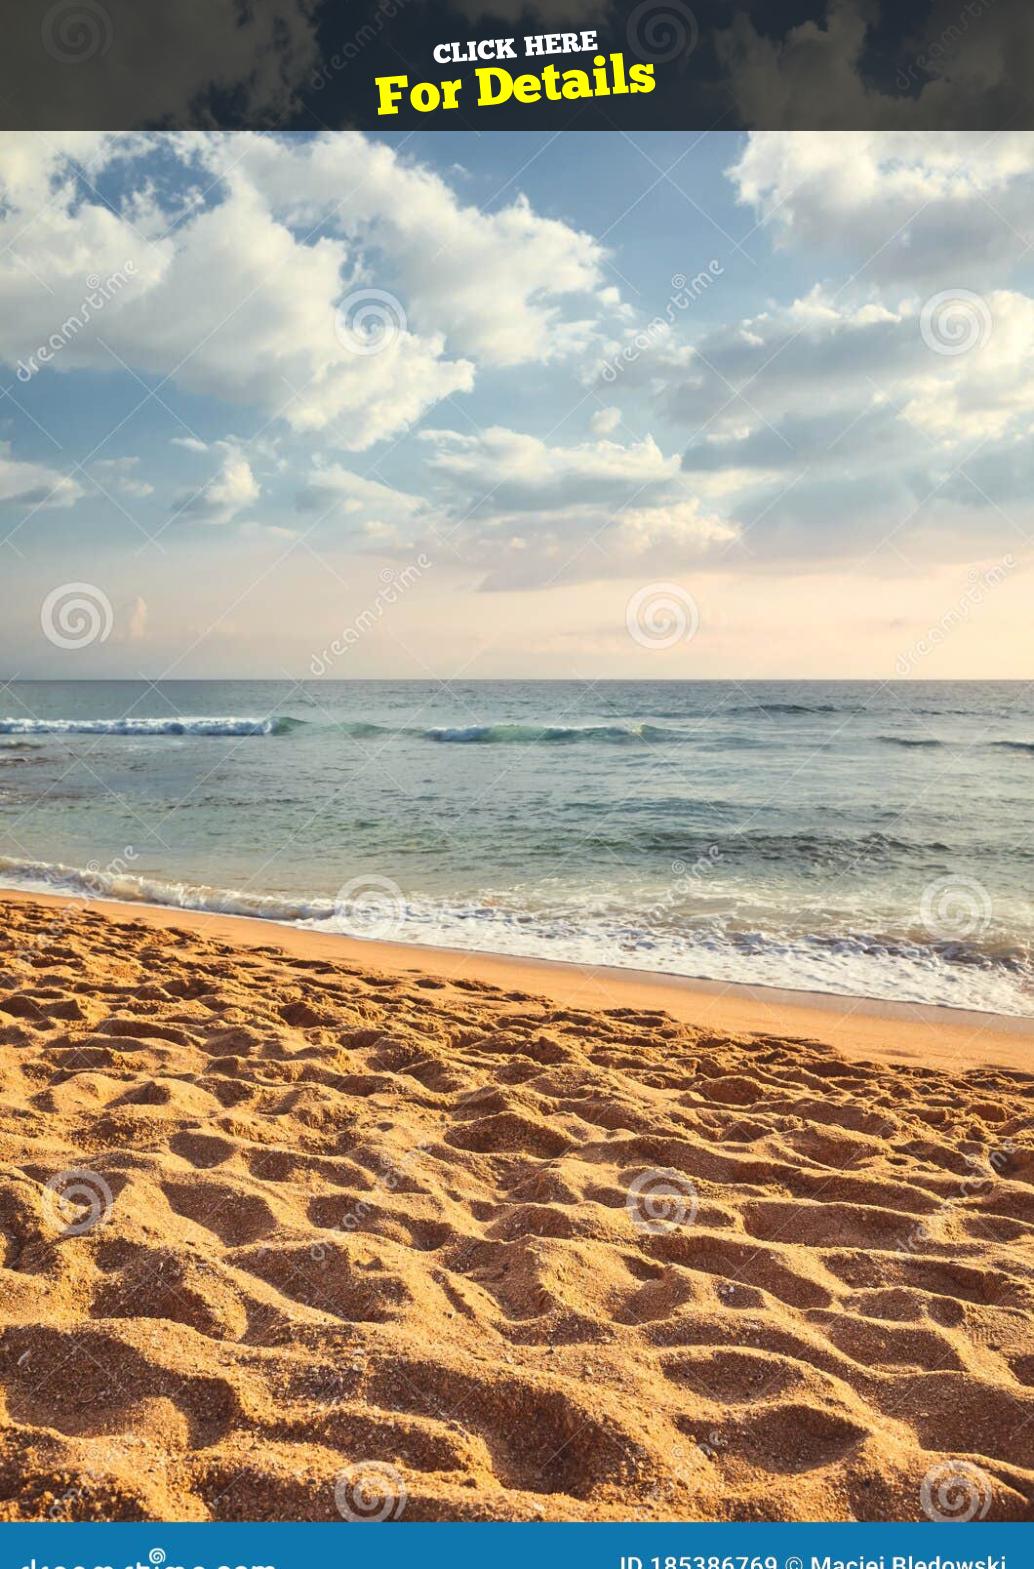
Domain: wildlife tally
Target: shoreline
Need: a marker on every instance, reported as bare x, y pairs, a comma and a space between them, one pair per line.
872, 1028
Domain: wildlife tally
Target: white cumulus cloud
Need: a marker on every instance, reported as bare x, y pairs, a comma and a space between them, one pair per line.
34, 484
230, 491
234, 288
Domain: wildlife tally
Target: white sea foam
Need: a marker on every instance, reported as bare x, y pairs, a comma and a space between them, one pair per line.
901, 967
200, 726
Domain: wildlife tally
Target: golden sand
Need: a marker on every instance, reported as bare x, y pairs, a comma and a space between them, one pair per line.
295, 1229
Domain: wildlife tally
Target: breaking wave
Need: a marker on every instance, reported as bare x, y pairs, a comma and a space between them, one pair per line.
201, 726
280, 724
515, 734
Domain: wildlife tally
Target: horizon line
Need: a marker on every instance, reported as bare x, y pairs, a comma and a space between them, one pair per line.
436, 680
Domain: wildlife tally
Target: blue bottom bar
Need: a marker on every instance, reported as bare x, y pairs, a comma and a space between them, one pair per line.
984, 1545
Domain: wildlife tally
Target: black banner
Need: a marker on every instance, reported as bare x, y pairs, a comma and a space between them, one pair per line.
308, 65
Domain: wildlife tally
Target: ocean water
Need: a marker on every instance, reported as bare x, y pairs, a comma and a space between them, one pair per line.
853, 838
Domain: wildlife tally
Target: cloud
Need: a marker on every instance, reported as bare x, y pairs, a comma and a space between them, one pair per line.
136, 621
371, 511
256, 57
492, 283
916, 208
963, 65
954, 366
120, 475
295, 277
251, 292
232, 490
267, 531
229, 302
549, 13
522, 471
528, 513
825, 428
34, 484
520, 513
605, 421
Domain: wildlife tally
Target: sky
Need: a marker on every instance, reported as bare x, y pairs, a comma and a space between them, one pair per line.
451, 405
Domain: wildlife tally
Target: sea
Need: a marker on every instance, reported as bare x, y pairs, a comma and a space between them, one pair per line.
863, 839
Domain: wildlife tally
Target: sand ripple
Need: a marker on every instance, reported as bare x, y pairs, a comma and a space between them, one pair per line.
284, 1238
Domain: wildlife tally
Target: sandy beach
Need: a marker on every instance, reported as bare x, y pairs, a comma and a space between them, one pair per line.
298, 1228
